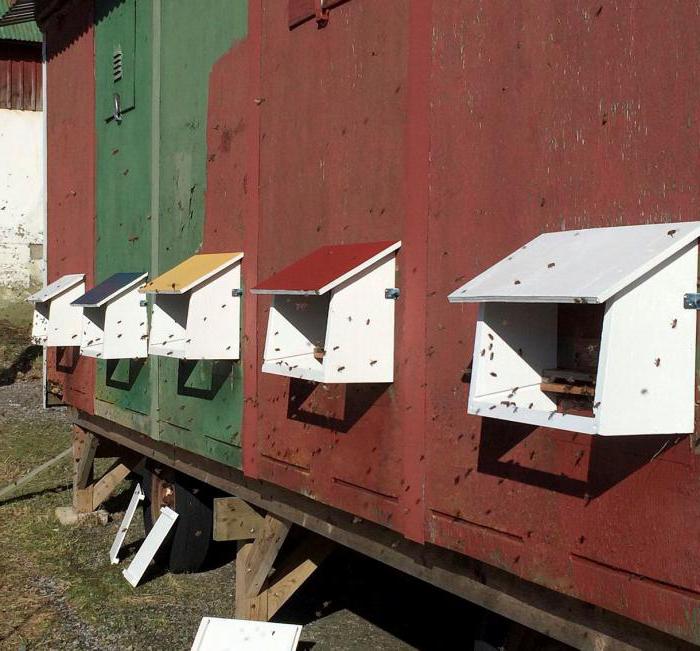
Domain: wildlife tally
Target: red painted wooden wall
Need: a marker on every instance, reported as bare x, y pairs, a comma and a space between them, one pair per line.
464, 130
70, 235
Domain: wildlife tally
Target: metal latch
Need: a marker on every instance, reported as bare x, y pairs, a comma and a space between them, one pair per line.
392, 293
691, 301
117, 115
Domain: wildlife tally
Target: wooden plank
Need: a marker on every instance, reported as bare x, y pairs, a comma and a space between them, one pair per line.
13, 486
568, 374
246, 607
556, 267
4, 84
84, 447
106, 485
235, 519
15, 84
569, 389
263, 553
110, 288
552, 613
191, 272
325, 268
300, 565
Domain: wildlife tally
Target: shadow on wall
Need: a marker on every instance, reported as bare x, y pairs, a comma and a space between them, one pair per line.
205, 383
122, 373
611, 459
357, 400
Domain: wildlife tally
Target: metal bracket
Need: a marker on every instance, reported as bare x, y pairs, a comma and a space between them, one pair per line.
237, 292
143, 302
392, 293
322, 13
691, 301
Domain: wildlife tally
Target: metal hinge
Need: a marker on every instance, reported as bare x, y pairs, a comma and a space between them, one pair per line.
392, 293
691, 301
238, 291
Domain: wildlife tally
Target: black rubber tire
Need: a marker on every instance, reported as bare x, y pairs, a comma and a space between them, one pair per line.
186, 548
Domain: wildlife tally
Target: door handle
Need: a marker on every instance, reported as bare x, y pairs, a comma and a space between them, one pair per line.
117, 115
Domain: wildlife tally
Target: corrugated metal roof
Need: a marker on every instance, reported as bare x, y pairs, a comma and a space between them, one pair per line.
17, 21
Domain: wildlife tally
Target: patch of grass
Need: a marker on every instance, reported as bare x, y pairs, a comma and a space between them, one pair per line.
57, 584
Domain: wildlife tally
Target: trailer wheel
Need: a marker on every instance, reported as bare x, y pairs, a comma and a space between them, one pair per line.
188, 543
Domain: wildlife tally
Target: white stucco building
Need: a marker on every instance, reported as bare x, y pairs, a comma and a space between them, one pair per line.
22, 191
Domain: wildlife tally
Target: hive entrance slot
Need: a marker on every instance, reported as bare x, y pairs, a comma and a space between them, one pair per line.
571, 385
298, 335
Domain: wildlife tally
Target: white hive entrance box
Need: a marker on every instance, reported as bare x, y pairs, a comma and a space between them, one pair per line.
197, 308
332, 316
114, 322
586, 331
55, 322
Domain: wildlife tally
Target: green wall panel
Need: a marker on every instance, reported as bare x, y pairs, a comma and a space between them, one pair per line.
123, 188
200, 402
197, 404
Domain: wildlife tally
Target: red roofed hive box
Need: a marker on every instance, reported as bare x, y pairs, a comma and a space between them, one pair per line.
332, 316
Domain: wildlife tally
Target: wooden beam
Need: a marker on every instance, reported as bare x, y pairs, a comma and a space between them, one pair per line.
300, 565
18, 483
568, 375
277, 589
263, 553
568, 389
569, 620
106, 485
84, 448
235, 519
254, 608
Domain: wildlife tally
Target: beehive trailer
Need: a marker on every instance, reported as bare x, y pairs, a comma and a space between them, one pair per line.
530, 446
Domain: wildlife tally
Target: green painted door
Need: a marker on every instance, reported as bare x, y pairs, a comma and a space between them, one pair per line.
194, 404
200, 401
123, 196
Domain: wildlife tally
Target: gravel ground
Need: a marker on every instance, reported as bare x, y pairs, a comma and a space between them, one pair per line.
59, 591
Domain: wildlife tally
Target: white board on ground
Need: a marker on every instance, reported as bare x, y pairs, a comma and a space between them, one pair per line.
150, 546
124, 526
219, 634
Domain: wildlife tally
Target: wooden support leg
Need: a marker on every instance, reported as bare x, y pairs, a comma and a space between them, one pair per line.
247, 607
258, 595
84, 448
89, 494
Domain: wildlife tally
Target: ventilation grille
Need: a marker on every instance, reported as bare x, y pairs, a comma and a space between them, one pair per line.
117, 64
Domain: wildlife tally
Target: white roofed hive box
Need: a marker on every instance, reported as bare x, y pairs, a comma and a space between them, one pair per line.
586, 330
